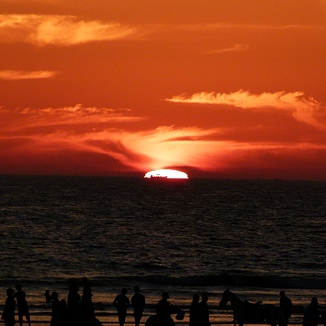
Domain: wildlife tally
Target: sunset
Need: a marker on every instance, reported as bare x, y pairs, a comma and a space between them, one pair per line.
171, 149
225, 89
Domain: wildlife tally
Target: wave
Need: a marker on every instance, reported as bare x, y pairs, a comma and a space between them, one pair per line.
227, 279
232, 280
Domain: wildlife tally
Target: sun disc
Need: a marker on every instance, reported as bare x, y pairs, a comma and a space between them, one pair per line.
167, 174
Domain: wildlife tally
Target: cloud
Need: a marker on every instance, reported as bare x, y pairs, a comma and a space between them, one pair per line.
237, 47
303, 109
91, 140
20, 75
76, 119
58, 30
70, 131
218, 27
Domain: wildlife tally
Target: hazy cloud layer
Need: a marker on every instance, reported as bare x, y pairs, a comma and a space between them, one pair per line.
58, 30
306, 110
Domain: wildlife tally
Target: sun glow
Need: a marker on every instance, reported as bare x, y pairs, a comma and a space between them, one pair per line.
167, 174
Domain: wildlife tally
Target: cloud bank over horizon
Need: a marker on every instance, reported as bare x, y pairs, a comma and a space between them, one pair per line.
80, 134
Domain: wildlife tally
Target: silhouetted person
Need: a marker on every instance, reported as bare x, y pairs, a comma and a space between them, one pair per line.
204, 311
138, 303
121, 303
73, 295
87, 304
194, 311
8, 314
55, 309
285, 306
323, 318
73, 310
163, 307
87, 291
22, 305
62, 314
47, 296
311, 316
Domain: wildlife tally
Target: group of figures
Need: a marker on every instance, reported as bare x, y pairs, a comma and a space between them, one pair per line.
254, 313
8, 314
75, 311
79, 311
198, 313
164, 309
121, 303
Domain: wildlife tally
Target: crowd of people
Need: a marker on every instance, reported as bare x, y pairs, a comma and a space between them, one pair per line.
79, 311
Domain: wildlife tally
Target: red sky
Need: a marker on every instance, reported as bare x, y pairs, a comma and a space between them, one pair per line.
225, 89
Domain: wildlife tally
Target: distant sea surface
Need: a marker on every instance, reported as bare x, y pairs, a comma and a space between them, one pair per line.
182, 236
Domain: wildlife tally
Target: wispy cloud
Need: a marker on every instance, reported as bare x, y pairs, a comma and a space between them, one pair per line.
303, 109
20, 74
58, 30
237, 47
221, 26
75, 119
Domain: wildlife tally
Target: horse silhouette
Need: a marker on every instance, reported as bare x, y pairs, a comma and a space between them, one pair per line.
245, 312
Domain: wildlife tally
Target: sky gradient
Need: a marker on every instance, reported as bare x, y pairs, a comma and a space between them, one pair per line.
225, 89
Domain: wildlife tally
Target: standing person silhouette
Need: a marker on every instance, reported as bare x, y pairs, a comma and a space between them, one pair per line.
285, 306
204, 311
86, 300
8, 314
311, 316
121, 303
73, 313
138, 303
22, 305
87, 291
55, 309
194, 311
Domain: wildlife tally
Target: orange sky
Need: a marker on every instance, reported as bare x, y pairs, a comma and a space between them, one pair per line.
225, 89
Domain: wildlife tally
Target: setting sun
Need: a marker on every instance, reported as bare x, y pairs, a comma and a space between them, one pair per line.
224, 89
166, 173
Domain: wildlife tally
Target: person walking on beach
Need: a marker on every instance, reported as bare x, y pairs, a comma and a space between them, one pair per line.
121, 303
8, 314
194, 311
138, 303
204, 311
285, 306
311, 316
22, 305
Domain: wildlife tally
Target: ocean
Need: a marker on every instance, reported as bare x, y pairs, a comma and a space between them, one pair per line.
256, 237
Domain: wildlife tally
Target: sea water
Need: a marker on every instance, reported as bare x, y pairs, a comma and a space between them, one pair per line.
256, 237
